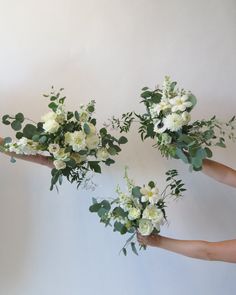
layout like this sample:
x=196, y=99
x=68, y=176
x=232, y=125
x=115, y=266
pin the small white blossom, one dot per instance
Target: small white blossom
x=134, y=213
x=149, y=194
x=180, y=103
x=59, y=164
x=102, y=154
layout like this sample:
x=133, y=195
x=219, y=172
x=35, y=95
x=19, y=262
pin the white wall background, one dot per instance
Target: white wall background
x=108, y=50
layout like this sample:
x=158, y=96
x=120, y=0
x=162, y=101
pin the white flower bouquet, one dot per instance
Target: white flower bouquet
x=71, y=139
x=139, y=208
x=167, y=120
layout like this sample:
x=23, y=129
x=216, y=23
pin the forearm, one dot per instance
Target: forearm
x=194, y=249
x=219, y=172
x=214, y=251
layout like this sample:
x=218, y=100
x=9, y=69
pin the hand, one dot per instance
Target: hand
x=152, y=240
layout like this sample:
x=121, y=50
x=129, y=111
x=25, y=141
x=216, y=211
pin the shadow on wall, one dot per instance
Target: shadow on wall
x=15, y=223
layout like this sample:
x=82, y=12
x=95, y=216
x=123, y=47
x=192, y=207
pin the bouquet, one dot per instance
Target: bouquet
x=168, y=121
x=139, y=208
x=69, y=138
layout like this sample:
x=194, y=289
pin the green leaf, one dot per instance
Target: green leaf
x=91, y=108
x=16, y=125
x=112, y=151
x=42, y=139
x=102, y=212
x=103, y=132
x=86, y=128
x=20, y=117
x=119, y=212
x=151, y=184
x=133, y=247
x=7, y=140
x=71, y=163
x=109, y=161
x=124, y=251
x=118, y=226
x=136, y=192
x=5, y=120
x=122, y=140
x=77, y=117
x=53, y=106
x=105, y=204
x=94, y=165
x=19, y=135
x=192, y=99
x=13, y=160
x=146, y=94
x=95, y=207
x=29, y=131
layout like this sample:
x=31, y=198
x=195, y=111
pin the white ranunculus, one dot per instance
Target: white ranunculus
x=53, y=148
x=49, y=116
x=145, y=227
x=69, y=138
x=180, y=103
x=173, y=122
x=51, y=126
x=149, y=194
x=153, y=213
x=102, y=154
x=59, y=164
x=134, y=213
x=186, y=117
x=61, y=154
x=92, y=141
x=78, y=142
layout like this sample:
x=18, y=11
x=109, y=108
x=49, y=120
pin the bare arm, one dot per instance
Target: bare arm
x=39, y=159
x=219, y=172
x=214, y=251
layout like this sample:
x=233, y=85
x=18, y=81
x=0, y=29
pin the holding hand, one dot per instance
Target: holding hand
x=38, y=159
x=152, y=240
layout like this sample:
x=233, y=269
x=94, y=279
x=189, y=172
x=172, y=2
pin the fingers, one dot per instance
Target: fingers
x=141, y=239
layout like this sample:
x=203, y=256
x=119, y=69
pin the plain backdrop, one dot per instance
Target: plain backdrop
x=108, y=50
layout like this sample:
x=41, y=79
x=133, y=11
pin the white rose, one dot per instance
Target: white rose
x=49, y=116
x=51, y=126
x=173, y=122
x=145, y=227
x=102, y=154
x=53, y=148
x=68, y=138
x=78, y=141
x=59, y=164
x=134, y=213
x=92, y=141
x=153, y=213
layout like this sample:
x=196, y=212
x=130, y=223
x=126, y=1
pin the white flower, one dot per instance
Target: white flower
x=159, y=127
x=134, y=213
x=24, y=146
x=61, y=154
x=51, y=126
x=163, y=105
x=150, y=194
x=49, y=116
x=53, y=148
x=186, y=117
x=145, y=227
x=59, y=164
x=154, y=214
x=69, y=138
x=180, y=103
x=92, y=141
x=78, y=141
x=102, y=154
x=173, y=122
